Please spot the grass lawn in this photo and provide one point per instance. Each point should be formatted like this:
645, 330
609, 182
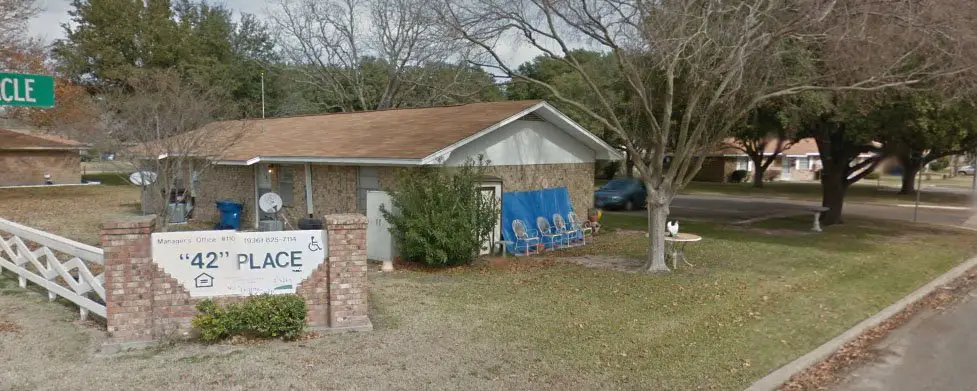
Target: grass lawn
758, 297
107, 166
108, 178
75, 212
863, 191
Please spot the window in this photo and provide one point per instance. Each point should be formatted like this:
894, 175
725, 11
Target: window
804, 163
286, 181
743, 163
367, 179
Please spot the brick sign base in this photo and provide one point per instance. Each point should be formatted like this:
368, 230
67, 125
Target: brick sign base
145, 304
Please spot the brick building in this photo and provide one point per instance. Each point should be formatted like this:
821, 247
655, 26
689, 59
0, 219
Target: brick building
325, 164
26, 158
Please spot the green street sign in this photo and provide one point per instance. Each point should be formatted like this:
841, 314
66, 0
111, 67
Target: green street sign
18, 89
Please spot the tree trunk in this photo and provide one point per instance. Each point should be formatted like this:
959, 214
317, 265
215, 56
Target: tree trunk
657, 216
628, 165
833, 190
909, 172
758, 172
758, 168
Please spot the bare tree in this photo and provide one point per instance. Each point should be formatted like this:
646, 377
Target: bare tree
165, 125
14, 15
692, 69
366, 54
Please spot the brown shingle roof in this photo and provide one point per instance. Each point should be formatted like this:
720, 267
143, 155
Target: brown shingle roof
383, 134
15, 140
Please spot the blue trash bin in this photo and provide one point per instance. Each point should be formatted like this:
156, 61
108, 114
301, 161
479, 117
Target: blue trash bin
230, 214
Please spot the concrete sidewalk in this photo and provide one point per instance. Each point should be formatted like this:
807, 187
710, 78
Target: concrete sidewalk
936, 350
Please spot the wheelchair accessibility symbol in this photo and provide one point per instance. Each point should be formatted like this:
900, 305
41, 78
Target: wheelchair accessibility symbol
314, 246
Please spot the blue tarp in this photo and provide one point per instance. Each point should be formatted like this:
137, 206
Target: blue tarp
528, 205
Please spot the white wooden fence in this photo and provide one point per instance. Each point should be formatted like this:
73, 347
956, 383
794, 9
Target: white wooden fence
72, 279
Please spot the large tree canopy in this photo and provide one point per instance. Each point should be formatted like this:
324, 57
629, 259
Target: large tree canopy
109, 41
558, 74
918, 127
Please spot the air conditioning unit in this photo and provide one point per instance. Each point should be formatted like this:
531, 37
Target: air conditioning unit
178, 212
270, 225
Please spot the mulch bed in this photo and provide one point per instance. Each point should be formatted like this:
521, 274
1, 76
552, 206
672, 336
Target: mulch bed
829, 372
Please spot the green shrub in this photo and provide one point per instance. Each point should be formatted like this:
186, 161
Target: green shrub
262, 316
940, 164
212, 321
441, 216
738, 176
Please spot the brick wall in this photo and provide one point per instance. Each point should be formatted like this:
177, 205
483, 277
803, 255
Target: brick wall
145, 304
802, 175
129, 278
347, 271
29, 167
715, 169
578, 178
334, 187
220, 182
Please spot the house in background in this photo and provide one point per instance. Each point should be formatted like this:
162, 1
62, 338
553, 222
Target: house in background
799, 162
34, 158
325, 164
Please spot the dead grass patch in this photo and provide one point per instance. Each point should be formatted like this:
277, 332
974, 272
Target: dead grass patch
7, 326
75, 212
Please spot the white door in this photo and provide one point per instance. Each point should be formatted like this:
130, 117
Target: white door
788, 167
380, 245
492, 190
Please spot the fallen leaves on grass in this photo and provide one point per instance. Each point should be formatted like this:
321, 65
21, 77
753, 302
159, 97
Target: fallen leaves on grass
7, 326
513, 264
828, 372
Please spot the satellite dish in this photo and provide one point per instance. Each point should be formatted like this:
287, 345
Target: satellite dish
140, 178
270, 203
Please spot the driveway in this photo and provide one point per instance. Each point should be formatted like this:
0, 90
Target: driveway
737, 208
935, 351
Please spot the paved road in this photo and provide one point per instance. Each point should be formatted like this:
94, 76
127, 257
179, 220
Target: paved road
935, 351
730, 209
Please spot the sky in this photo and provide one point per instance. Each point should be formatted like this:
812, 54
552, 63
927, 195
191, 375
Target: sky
47, 25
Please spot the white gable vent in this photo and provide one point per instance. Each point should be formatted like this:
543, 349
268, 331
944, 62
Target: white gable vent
532, 117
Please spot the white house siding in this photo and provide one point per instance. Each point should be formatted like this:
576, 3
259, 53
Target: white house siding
525, 143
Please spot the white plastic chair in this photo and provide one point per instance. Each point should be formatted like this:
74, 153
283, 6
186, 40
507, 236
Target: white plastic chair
585, 231
570, 234
546, 231
529, 238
